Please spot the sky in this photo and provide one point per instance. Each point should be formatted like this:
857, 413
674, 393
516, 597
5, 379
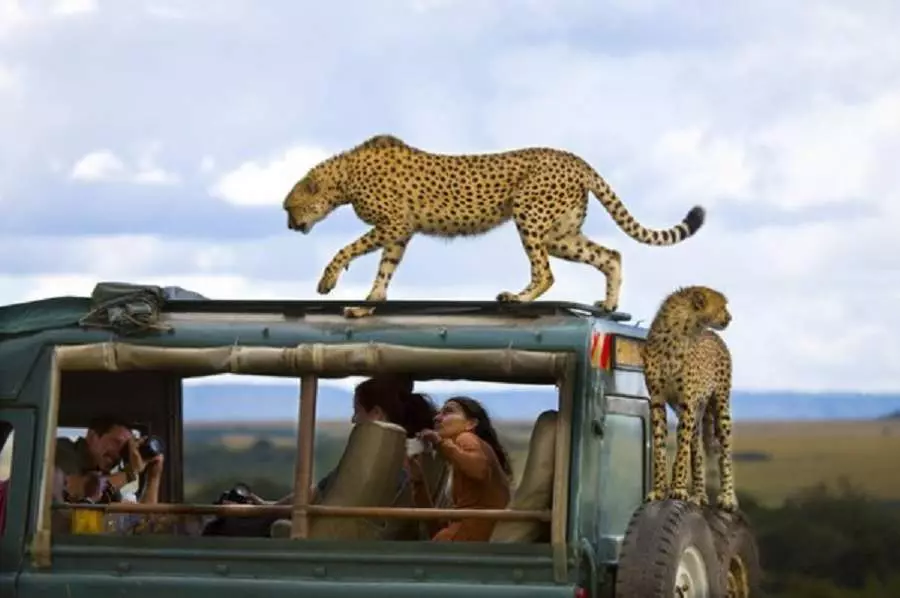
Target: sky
154, 141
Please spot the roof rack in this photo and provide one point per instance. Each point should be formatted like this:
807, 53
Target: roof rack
532, 309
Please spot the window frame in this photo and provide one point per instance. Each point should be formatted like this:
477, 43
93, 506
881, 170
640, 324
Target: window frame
633, 407
13, 538
309, 363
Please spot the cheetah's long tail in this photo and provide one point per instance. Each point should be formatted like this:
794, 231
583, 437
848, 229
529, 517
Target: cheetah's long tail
634, 229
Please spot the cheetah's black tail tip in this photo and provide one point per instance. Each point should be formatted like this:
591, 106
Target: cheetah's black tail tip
694, 219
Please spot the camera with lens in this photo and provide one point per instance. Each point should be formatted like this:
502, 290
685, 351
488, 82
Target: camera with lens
148, 449
240, 494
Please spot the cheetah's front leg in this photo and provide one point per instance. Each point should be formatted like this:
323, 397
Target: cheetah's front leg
539, 258
727, 498
367, 243
659, 432
699, 444
390, 259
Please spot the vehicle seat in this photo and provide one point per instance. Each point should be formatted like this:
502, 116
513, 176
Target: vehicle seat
535, 491
366, 476
436, 471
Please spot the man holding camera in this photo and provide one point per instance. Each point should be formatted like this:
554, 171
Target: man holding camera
86, 463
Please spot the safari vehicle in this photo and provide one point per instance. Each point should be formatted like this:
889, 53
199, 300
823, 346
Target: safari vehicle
576, 525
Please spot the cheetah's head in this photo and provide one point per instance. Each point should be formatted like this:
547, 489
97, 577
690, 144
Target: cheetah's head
711, 307
308, 202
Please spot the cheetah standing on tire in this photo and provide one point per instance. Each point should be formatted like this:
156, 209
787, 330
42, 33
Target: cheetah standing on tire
688, 366
402, 191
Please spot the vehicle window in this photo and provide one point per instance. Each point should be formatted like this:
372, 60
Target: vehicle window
241, 432
622, 471
243, 429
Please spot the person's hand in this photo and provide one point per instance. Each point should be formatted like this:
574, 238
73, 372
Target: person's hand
429, 437
135, 463
154, 466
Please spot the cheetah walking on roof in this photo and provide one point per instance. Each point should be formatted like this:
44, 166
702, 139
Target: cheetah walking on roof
402, 191
688, 366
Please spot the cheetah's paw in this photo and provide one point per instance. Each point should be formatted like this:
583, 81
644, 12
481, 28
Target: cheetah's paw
679, 494
607, 305
507, 297
328, 281
727, 501
358, 312
655, 495
700, 499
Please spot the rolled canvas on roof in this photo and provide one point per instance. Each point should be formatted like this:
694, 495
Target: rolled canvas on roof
323, 360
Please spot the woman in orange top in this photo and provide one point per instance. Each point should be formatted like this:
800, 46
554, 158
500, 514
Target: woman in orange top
479, 464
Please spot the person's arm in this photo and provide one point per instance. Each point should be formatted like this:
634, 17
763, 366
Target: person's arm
72, 483
421, 496
154, 469
466, 453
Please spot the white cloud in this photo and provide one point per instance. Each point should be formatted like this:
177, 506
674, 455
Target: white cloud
9, 79
166, 12
18, 17
99, 165
105, 166
207, 164
73, 7
13, 17
264, 183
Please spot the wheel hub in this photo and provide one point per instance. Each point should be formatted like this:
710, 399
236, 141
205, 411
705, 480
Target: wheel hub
690, 577
738, 579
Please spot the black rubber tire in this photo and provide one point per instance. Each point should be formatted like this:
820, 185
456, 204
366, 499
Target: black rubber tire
657, 535
738, 551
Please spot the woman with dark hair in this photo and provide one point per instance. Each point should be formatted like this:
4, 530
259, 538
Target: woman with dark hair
391, 399
480, 467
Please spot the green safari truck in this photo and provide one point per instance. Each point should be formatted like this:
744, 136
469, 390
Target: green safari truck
576, 526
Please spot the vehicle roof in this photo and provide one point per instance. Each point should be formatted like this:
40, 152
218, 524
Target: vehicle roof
27, 328
64, 312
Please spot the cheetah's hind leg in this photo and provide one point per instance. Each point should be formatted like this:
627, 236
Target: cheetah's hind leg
727, 497
578, 248
701, 444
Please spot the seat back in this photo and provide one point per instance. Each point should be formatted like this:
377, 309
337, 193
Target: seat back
436, 471
535, 491
368, 475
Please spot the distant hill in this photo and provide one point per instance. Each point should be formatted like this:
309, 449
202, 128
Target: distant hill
216, 402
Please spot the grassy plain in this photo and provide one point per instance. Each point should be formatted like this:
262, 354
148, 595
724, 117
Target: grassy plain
802, 454
773, 459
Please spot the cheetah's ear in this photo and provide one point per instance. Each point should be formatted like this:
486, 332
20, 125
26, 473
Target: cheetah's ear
310, 186
698, 300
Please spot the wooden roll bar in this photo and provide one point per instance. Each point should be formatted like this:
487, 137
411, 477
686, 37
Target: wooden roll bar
306, 437
316, 510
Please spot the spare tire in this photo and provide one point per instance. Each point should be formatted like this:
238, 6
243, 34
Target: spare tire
669, 550
738, 553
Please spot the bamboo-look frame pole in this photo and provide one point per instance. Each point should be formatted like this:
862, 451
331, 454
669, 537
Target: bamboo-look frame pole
306, 441
316, 510
562, 462
40, 545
